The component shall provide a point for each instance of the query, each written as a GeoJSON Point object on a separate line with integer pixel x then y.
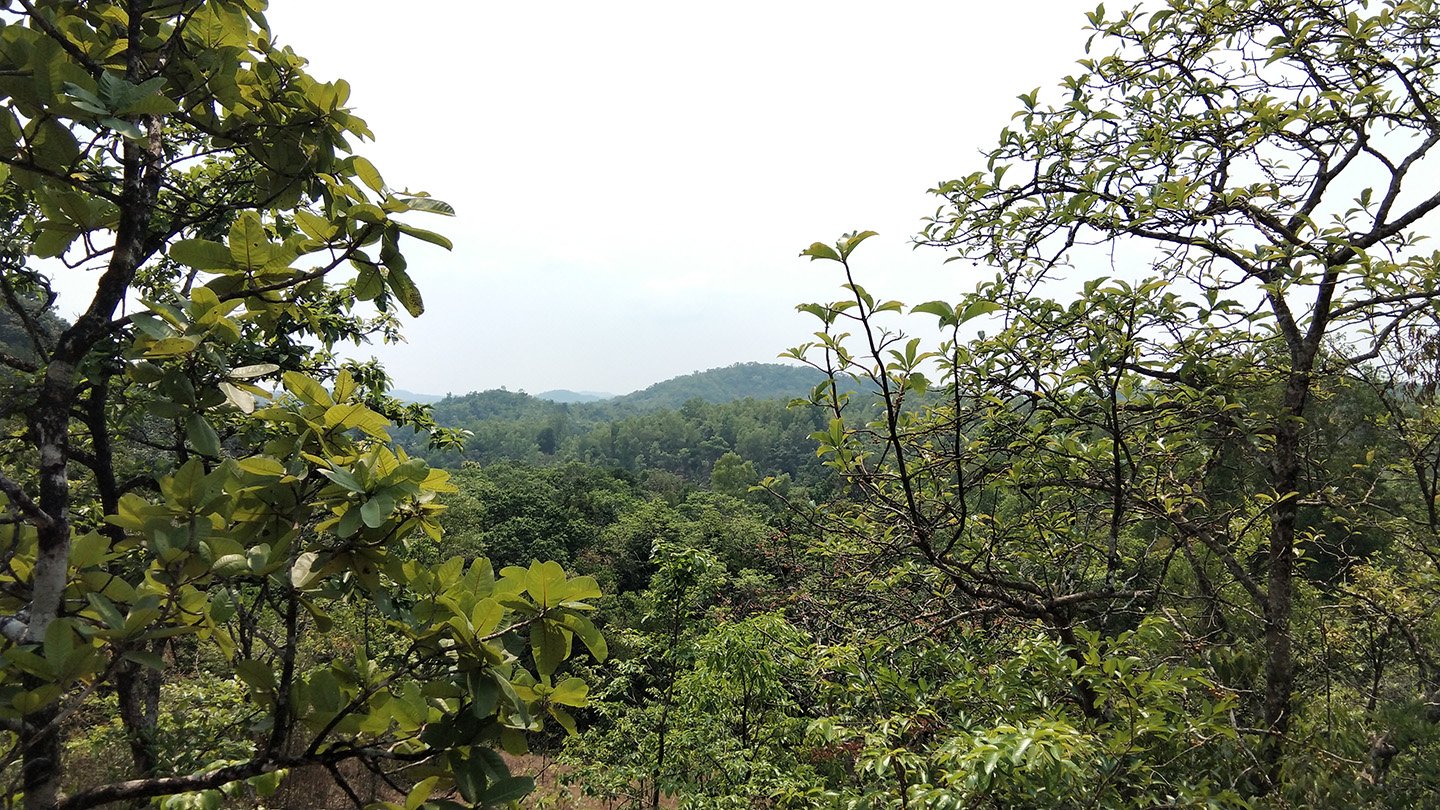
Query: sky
{"type": "Point", "coordinates": [634, 181]}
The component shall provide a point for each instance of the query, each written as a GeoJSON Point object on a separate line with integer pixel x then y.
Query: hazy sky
{"type": "Point", "coordinates": [634, 180]}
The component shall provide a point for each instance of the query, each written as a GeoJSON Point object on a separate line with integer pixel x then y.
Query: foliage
{"type": "Point", "coordinates": [1157, 442]}
{"type": "Point", "coordinates": [186, 465]}
{"type": "Point", "coordinates": [686, 441]}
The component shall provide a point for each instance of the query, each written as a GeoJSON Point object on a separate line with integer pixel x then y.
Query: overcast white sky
{"type": "Point", "coordinates": [634, 180]}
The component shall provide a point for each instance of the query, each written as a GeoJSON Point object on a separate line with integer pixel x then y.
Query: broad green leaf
{"type": "Point", "coordinates": [586, 631]}
{"type": "Point", "coordinates": [542, 582]}
{"type": "Point", "coordinates": [565, 720]}
{"type": "Point", "coordinates": [939, 309]}
{"type": "Point", "coordinates": [549, 645]}
{"type": "Point", "coordinates": [848, 243]}
{"type": "Point", "coordinates": [315, 226]}
{"type": "Point", "coordinates": [250, 246]}
{"type": "Point", "coordinates": [375, 511]}
{"type": "Point", "coordinates": [425, 236]}
{"type": "Point", "coordinates": [357, 416]}
{"type": "Point", "coordinates": [570, 692]}
{"type": "Point", "coordinates": [977, 308]}
{"type": "Point", "coordinates": [88, 549]}
{"type": "Point", "coordinates": [405, 291]}
{"type": "Point", "coordinates": [820, 250]}
{"type": "Point", "coordinates": [365, 170]}
{"type": "Point", "coordinates": [420, 792]}
{"type": "Point", "coordinates": [202, 436]}
{"type": "Point", "coordinates": [486, 616]}
{"type": "Point", "coordinates": [172, 346]}
{"type": "Point", "coordinates": [306, 389]}
{"type": "Point", "coordinates": [202, 254]}
{"type": "Point", "coordinates": [343, 477]}
{"type": "Point", "coordinates": [53, 242]}
{"type": "Point", "coordinates": [431, 205]}
{"type": "Point", "coordinates": [512, 789]}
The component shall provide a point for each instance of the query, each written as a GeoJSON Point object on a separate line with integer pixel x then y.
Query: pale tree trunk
{"type": "Point", "coordinates": [50, 423]}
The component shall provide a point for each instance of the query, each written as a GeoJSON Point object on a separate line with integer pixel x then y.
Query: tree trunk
{"type": "Point", "coordinates": [1280, 569]}
{"type": "Point", "coordinates": [50, 425]}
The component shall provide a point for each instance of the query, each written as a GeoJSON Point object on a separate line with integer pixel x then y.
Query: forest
{"type": "Point", "coordinates": [1148, 517]}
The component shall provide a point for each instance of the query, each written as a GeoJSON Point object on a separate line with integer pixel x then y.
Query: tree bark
{"type": "Point", "coordinates": [50, 421]}
{"type": "Point", "coordinates": [1280, 567]}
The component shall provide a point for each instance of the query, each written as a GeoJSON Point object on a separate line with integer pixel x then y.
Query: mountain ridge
{"type": "Point", "coordinates": [753, 380]}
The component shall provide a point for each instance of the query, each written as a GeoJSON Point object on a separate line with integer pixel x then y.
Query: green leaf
{"type": "Point", "coordinates": [355, 415]}
{"type": "Point", "coordinates": [256, 674]}
{"type": "Point", "coordinates": [820, 250]}
{"type": "Point", "coordinates": [570, 692]}
{"type": "Point", "coordinates": [343, 477]}
{"type": "Point", "coordinates": [939, 309]}
{"type": "Point", "coordinates": [848, 243]}
{"type": "Point", "coordinates": [231, 565]}
{"type": "Point", "coordinates": [522, 711]}
{"type": "Point", "coordinates": [542, 581]}
{"type": "Point", "coordinates": [172, 346]}
{"type": "Point", "coordinates": [420, 792]}
{"type": "Point", "coordinates": [425, 236]}
{"type": "Point", "coordinates": [977, 308]}
{"type": "Point", "coordinates": [127, 129]}
{"type": "Point", "coordinates": [587, 633]}
{"type": "Point", "coordinates": [507, 790]}
{"type": "Point", "coordinates": [368, 283]}
{"type": "Point", "coordinates": [549, 645]}
{"type": "Point", "coordinates": [146, 659]}
{"type": "Point", "coordinates": [262, 465]}
{"type": "Point", "coordinates": [250, 246]}
{"type": "Point", "coordinates": [367, 173]}
{"type": "Point", "coordinates": [202, 254]}
{"type": "Point", "coordinates": [486, 616]}
{"type": "Point", "coordinates": [349, 522]}
{"type": "Point", "coordinates": [88, 549]}
{"type": "Point", "coordinates": [306, 389]}
{"type": "Point", "coordinates": [565, 720]}
{"type": "Point", "coordinates": [202, 436]}
{"type": "Point", "coordinates": [584, 587]}
{"type": "Point", "coordinates": [53, 242]}
{"type": "Point", "coordinates": [315, 226]}
{"type": "Point", "coordinates": [405, 291]}
{"type": "Point", "coordinates": [377, 510]}
{"type": "Point", "coordinates": [429, 204]}
{"type": "Point", "coordinates": [59, 642]}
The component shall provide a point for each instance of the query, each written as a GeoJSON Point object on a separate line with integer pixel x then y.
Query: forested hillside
{"type": "Point", "coordinates": [719, 385]}
{"type": "Point", "coordinates": [679, 427]}
{"type": "Point", "coordinates": [1154, 521]}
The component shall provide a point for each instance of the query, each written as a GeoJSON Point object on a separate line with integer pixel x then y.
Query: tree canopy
{"type": "Point", "coordinates": [188, 467]}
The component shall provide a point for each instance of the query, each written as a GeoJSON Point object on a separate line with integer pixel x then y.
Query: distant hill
{"type": "Point", "coordinates": [566, 395]}
{"type": "Point", "coordinates": [679, 428]}
{"type": "Point", "coordinates": [410, 396]}
{"type": "Point", "coordinates": [740, 381]}
{"type": "Point", "coordinates": [717, 385]}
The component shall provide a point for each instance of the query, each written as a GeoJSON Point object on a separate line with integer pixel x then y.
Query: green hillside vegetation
{"type": "Point", "coordinates": [718, 385]}
{"type": "Point", "coordinates": [747, 413]}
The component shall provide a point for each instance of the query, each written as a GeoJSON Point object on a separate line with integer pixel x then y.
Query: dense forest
{"type": "Point", "coordinates": [1154, 521]}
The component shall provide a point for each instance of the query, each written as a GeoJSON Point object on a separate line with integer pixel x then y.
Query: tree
{"type": "Point", "coordinates": [1260, 150]}
{"type": "Point", "coordinates": [1254, 171]}
{"type": "Point", "coordinates": [158, 493]}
